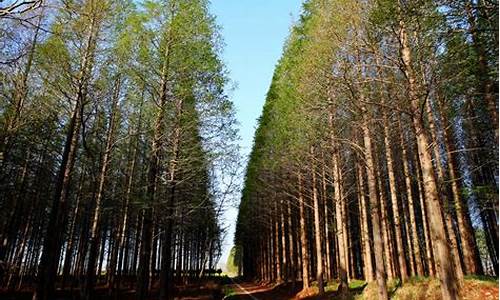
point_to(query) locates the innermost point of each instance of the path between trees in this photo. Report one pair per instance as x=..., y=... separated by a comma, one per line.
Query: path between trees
x=258, y=291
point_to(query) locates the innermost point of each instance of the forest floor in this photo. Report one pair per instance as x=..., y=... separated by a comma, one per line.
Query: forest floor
x=208, y=289
x=483, y=288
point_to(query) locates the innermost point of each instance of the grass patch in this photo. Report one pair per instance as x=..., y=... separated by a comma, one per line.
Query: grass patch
x=416, y=288
x=424, y=288
x=228, y=291
x=331, y=286
x=482, y=278
x=356, y=284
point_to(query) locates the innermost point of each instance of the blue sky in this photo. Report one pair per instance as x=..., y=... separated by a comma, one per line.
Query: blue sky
x=254, y=32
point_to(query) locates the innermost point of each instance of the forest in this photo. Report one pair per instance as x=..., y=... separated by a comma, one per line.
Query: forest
x=373, y=173
x=376, y=155
x=114, y=118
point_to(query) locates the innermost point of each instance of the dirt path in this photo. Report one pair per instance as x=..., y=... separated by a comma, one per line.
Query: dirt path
x=256, y=291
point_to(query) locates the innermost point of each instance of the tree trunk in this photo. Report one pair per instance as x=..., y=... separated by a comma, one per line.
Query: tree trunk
x=303, y=236
x=411, y=206
x=317, y=228
x=291, y=244
x=472, y=260
x=96, y=220
x=166, y=285
x=378, y=244
x=154, y=162
x=276, y=242
x=384, y=222
x=340, y=211
x=72, y=235
x=394, y=201
x=365, y=233
x=441, y=177
x=283, y=241
x=446, y=271
x=326, y=218
x=47, y=271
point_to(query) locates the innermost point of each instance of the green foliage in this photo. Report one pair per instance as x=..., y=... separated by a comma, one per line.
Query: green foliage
x=342, y=69
x=155, y=67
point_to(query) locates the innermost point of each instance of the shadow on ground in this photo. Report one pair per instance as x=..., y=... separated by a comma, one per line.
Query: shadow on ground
x=285, y=291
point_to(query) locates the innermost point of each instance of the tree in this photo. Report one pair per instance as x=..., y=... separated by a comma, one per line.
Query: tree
x=351, y=72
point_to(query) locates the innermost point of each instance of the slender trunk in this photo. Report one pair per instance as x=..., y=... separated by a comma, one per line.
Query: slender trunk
x=132, y=270
x=276, y=243
x=406, y=225
x=378, y=245
x=303, y=236
x=166, y=287
x=47, y=273
x=447, y=210
x=340, y=219
x=122, y=234
x=72, y=235
x=444, y=260
x=317, y=228
x=123, y=238
x=96, y=221
x=411, y=206
x=365, y=233
x=345, y=222
x=154, y=164
x=388, y=252
x=291, y=243
x=326, y=218
x=8, y=246
x=472, y=261
x=340, y=211
x=394, y=201
x=429, y=246
x=283, y=241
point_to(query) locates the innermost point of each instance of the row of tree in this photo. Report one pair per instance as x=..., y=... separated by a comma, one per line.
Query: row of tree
x=114, y=122
x=376, y=155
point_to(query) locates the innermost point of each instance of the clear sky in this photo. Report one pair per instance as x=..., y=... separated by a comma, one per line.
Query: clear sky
x=254, y=32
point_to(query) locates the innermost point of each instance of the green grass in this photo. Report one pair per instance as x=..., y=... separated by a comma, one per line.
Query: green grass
x=228, y=291
x=482, y=278
x=428, y=288
x=333, y=285
x=356, y=283
x=393, y=285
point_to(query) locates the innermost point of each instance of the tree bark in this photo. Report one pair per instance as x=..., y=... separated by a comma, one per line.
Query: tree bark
x=324, y=197
x=339, y=203
x=394, y=201
x=411, y=206
x=96, y=220
x=365, y=233
x=472, y=261
x=446, y=271
x=378, y=244
x=303, y=236
x=441, y=177
x=317, y=227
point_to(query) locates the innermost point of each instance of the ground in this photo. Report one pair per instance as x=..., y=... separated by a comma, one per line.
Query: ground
x=418, y=288
x=475, y=288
